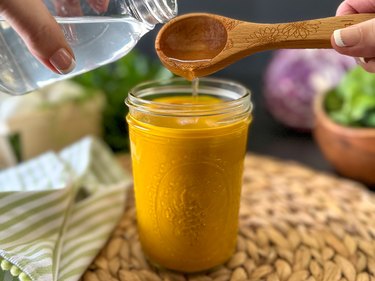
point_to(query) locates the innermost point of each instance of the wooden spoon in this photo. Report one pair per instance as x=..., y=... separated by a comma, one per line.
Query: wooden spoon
x=199, y=44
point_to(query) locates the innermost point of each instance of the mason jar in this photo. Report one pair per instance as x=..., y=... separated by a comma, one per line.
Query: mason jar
x=187, y=156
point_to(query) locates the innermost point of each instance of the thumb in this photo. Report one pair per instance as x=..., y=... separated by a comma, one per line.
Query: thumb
x=357, y=41
x=40, y=32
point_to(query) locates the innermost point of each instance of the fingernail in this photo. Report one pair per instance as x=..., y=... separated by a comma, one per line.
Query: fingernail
x=347, y=37
x=63, y=61
x=362, y=60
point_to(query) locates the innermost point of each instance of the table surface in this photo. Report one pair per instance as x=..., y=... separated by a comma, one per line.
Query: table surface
x=319, y=226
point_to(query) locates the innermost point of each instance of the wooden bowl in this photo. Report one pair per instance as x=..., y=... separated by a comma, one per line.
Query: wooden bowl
x=350, y=150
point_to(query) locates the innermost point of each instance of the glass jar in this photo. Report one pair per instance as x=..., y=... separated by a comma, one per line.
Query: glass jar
x=187, y=156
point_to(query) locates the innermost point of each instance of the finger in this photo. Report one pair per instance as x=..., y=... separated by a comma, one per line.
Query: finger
x=345, y=9
x=40, y=32
x=99, y=6
x=355, y=7
x=357, y=40
x=367, y=64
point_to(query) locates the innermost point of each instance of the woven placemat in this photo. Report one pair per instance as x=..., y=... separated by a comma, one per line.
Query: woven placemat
x=295, y=224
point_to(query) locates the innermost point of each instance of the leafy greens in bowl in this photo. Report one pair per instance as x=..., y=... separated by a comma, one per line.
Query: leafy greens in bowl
x=345, y=126
x=352, y=102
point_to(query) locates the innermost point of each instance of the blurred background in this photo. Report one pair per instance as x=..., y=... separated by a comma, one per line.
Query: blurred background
x=283, y=85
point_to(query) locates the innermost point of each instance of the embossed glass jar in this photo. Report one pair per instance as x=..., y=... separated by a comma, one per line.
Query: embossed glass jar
x=187, y=156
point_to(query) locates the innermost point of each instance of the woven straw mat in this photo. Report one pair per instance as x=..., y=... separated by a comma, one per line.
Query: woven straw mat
x=295, y=224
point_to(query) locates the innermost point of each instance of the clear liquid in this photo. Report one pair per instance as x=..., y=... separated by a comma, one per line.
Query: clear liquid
x=95, y=41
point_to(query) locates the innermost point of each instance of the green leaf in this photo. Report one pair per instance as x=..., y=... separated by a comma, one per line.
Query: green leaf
x=351, y=101
x=361, y=104
x=339, y=117
x=333, y=101
x=370, y=120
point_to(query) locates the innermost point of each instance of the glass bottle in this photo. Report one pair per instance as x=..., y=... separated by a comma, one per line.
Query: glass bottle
x=96, y=37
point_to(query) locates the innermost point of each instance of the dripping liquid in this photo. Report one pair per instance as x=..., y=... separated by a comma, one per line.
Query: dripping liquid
x=195, y=87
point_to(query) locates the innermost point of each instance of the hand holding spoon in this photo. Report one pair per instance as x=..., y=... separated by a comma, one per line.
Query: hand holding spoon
x=200, y=44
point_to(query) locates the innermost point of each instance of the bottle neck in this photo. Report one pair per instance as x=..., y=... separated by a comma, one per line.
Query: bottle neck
x=152, y=12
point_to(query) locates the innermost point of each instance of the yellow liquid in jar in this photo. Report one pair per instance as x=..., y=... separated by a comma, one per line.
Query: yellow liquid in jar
x=187, y=179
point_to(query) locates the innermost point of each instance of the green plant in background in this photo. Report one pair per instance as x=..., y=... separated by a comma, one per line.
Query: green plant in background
x=352, y=102
x=115, y=80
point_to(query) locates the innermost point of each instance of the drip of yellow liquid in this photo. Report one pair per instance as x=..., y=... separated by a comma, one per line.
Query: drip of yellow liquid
x=195, y=86
x=187, y=179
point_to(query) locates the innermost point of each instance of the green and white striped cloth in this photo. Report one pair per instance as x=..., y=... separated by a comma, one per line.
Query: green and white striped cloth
x=57, y=212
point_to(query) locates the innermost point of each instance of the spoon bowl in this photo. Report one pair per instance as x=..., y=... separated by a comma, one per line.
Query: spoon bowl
x=200, y=44
x=193, y=38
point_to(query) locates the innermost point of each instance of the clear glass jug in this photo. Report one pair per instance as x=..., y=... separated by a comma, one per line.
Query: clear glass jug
x=97, y=38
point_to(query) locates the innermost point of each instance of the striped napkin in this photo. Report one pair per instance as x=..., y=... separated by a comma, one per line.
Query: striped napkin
x=58, y=210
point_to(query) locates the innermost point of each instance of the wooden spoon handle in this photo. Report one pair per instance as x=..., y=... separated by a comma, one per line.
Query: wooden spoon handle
x=311, y=33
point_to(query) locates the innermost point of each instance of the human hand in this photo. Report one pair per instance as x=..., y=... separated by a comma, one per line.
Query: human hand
x=40, y=31
x=357, y=40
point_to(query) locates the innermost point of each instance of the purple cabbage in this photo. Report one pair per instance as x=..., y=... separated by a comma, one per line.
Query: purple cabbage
x=294, y=77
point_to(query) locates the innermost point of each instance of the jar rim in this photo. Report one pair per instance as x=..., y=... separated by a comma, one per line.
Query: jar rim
x=239, y=97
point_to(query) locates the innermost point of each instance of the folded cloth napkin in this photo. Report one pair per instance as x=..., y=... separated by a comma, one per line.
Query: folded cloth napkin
x=58, y=210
